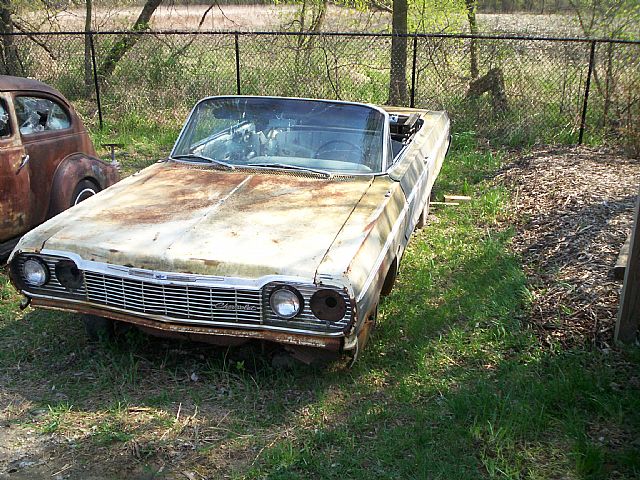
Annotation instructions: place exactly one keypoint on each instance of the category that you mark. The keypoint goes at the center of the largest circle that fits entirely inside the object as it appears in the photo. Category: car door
(46, 128)
(15, 195)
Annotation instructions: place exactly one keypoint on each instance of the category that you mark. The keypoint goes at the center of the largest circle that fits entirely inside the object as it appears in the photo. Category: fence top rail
(332, 34)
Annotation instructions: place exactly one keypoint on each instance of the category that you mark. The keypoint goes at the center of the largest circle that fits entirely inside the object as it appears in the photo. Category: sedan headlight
(286, 302)
(35, 272)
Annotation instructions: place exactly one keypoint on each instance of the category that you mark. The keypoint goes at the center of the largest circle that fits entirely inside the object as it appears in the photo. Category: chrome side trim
(392, 234)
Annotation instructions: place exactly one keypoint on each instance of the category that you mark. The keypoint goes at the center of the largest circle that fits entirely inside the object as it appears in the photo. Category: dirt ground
(573, 211)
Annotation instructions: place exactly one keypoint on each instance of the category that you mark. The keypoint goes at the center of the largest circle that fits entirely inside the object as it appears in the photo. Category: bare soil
(573, 211)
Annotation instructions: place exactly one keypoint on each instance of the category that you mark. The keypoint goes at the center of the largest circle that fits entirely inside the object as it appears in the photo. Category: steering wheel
(334, 146)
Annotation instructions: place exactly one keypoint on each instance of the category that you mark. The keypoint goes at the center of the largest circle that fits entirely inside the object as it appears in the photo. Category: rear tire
(98, 328)
(84, 189)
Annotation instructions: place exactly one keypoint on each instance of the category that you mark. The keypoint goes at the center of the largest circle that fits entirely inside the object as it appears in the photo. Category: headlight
(328, 304)
(286, 302)
(35, 272)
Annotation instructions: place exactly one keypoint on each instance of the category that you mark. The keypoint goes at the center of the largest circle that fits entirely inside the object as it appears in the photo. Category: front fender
(72, 170)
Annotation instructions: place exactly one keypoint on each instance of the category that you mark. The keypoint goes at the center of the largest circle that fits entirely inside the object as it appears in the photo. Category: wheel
(340, 146)
(422, 219)
(84, 189)
(98, 328)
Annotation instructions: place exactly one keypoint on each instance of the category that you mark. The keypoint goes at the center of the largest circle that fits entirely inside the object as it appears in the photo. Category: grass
(452, 385)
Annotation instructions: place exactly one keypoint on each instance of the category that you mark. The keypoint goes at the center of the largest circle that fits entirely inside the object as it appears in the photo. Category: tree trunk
(88, 65)
(398, 75)
(126, 43)
(493, 83)
(473, 29)
(9, 64)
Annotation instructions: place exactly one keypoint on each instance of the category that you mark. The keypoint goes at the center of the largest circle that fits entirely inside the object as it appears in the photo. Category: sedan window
(39, 115)
(5, 127)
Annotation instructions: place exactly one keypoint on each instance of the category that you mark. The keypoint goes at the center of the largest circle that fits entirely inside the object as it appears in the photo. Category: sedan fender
(73, 170)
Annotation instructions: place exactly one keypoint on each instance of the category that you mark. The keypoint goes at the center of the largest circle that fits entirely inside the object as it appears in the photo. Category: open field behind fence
(545, 80)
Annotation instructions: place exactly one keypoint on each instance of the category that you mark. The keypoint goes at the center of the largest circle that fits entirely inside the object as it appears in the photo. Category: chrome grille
(187, 302)
(181, 299)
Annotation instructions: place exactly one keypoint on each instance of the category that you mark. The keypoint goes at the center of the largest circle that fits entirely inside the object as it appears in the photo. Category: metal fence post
(95, 78)
(237, 64)
(413, 72)
(583, 120)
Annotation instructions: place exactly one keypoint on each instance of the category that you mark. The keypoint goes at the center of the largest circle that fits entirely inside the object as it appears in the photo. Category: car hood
(177, 217)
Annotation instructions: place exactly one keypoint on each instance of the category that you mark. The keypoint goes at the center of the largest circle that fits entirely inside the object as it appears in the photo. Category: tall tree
(126, 43)
(9, 64)
(398, 75)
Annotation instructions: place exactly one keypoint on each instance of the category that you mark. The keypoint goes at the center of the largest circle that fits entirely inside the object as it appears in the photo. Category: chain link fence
(525, 89)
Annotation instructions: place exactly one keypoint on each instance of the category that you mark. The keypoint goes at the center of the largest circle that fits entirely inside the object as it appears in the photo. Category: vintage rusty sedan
(278, 219)
(47, 160)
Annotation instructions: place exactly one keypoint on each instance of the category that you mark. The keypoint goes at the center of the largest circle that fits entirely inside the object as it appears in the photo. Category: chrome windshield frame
(386, 127)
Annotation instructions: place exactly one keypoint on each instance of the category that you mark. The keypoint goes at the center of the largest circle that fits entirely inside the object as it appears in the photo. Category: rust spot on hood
(207, 262)
(172, 193)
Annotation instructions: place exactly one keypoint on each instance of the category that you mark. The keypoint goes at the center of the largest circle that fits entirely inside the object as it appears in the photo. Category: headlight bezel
(328, 304)
(295, 294)
(45, 270)
(69, 275)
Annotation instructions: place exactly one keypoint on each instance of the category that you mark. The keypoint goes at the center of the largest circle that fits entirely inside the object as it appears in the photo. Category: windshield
(284, 133)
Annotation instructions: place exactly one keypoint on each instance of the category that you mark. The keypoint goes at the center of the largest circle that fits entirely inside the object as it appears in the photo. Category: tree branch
(35, 40)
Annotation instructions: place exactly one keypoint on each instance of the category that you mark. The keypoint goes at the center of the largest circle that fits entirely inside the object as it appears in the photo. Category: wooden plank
(621, 263)
(629, 310)
(456, 198)
(446, 204)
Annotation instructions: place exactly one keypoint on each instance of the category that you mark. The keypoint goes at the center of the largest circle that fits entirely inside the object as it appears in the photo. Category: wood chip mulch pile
(573, 210)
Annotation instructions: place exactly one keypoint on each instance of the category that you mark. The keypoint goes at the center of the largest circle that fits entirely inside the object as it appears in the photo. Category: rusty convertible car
(47, 161)
(279, 219)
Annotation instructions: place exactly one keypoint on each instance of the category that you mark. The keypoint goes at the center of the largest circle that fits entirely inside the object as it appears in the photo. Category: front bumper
(215, 335)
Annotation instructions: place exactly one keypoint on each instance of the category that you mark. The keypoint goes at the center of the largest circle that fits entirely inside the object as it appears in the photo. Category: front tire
(84, 189)
(98, 328)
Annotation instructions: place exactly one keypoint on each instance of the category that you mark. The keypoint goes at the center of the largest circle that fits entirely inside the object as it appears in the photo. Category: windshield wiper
(220, 163)
(286, 166)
